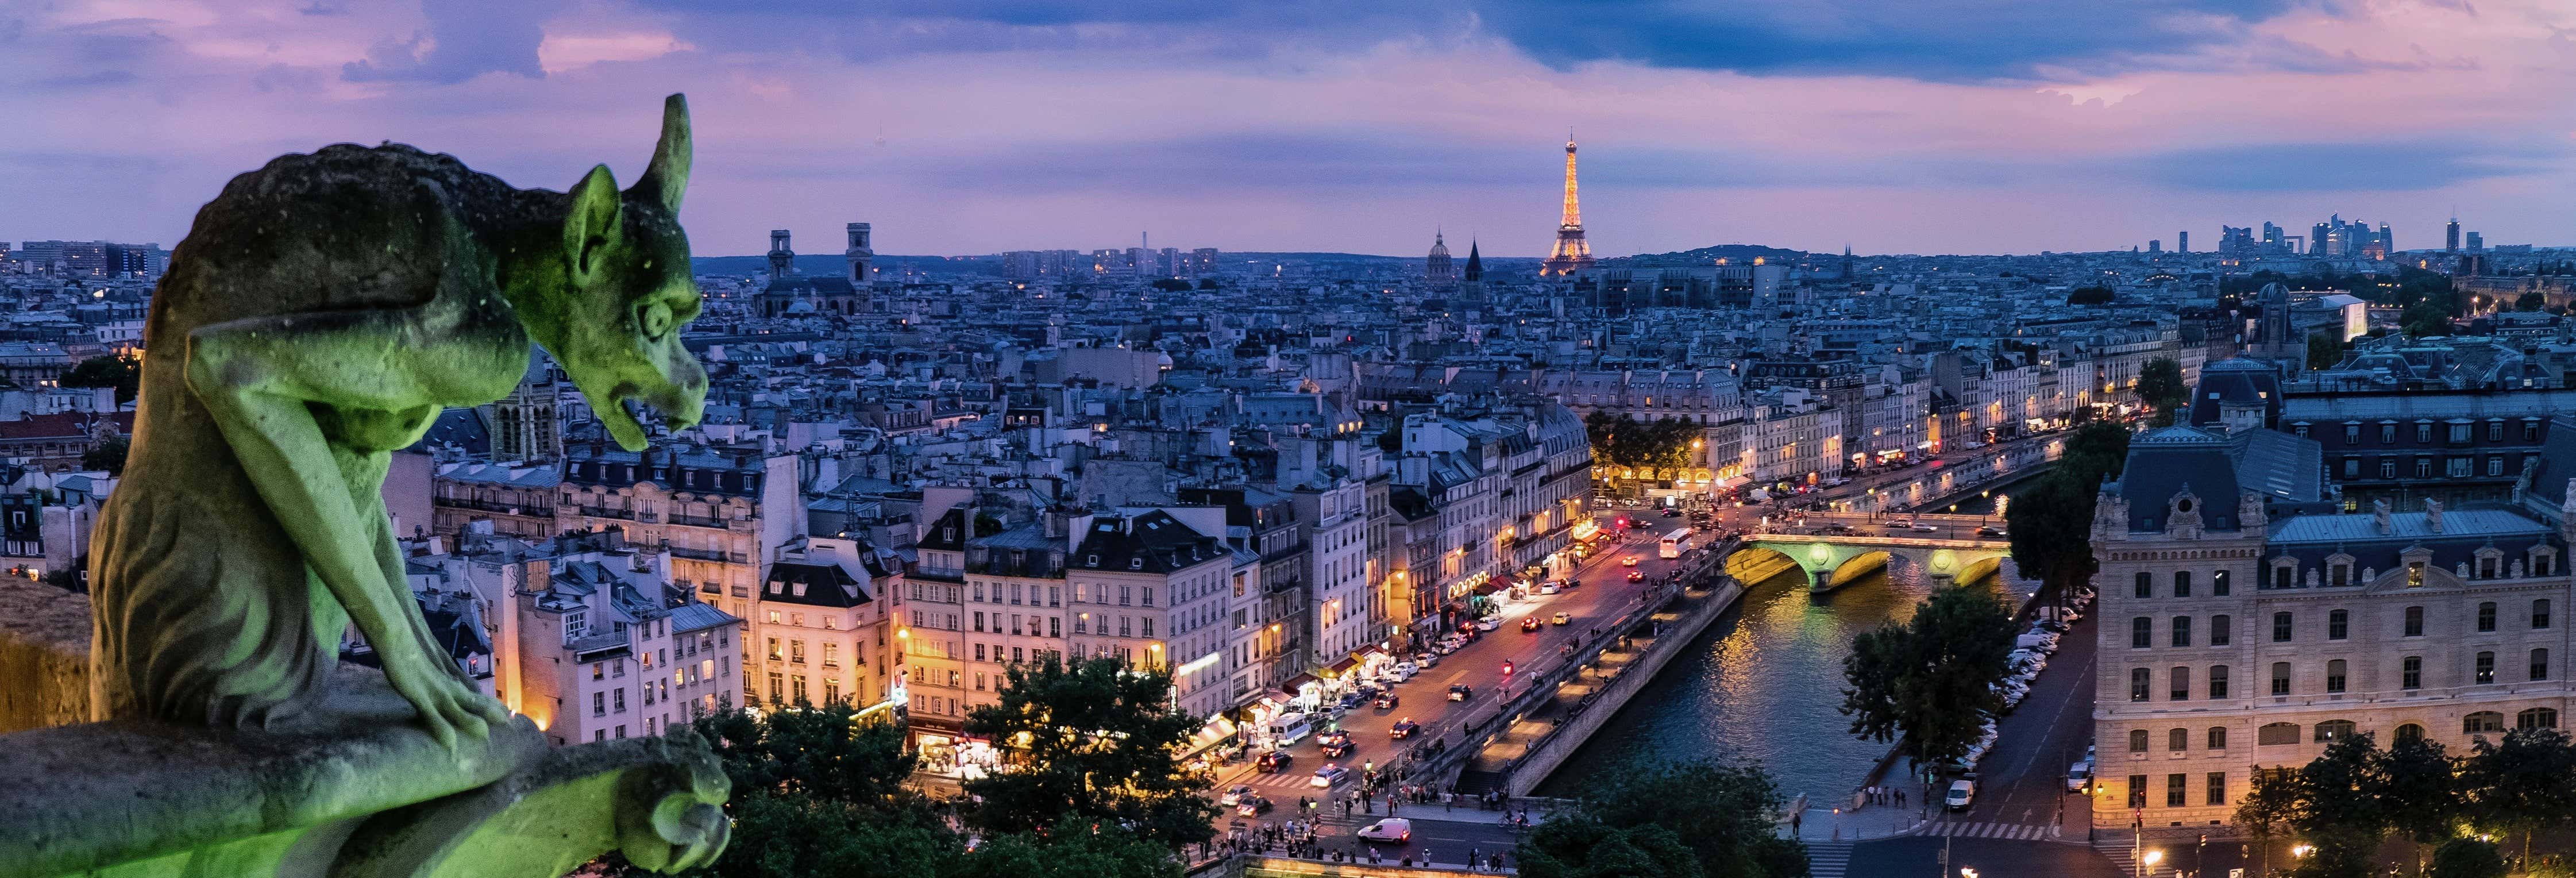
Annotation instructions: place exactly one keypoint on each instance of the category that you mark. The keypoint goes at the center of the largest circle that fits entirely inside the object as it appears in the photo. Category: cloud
(2361, 166)
(465, 39)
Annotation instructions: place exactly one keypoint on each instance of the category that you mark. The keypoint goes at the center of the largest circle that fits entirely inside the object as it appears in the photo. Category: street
(1605, 594)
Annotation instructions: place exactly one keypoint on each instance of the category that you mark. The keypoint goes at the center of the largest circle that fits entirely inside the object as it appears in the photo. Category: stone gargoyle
(319, 315)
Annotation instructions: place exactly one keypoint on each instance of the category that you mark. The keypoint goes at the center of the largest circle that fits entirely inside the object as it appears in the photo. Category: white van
(1291, 729)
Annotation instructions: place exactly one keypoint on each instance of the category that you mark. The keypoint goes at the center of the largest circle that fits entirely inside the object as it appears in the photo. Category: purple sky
(1353, 125)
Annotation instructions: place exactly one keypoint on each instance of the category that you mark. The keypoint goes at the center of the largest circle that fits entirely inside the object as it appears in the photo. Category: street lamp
(2148, 863)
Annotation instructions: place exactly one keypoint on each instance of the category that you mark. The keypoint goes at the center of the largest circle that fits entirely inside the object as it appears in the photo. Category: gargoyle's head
(615, 326)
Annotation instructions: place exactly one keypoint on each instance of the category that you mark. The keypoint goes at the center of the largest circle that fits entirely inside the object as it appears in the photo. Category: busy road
(1528, 635)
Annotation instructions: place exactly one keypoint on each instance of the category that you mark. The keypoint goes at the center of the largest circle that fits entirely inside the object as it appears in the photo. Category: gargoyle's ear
(592, 221)
(668, 177)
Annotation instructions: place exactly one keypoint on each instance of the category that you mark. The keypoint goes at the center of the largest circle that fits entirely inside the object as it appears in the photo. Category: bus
(1674, 543)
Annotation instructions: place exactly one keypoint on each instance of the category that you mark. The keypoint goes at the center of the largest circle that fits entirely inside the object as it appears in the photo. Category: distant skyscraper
(1571, 251)
(1437, 269)
(2477, 242)
(2155, 245)
(2451, 236)
(1847, 262)
(1203, 261)
(2182, 241)
(2318, 245)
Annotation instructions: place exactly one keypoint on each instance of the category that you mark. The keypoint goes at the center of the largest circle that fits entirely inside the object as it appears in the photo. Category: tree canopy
(1089, 740)
(1930, 681)
(2095, 295)
(2325, 349)
(1700, 818)
(118, 372)
(2051, 523)
(2160, 387)
(1620, 440)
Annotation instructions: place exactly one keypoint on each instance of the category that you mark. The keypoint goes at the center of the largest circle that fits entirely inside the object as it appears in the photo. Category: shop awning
(1300, 681)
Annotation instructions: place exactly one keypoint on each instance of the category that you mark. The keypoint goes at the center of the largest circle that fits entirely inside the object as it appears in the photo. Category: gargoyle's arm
(257, 378)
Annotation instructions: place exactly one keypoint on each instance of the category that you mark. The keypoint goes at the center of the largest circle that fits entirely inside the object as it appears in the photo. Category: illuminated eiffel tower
(1571, 251)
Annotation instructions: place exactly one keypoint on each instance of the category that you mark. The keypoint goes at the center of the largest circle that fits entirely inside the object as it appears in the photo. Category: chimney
(2433, 514)
(2379, 516)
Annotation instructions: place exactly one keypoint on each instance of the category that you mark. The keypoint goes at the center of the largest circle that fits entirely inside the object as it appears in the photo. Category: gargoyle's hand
(670, 816)
(453, 713)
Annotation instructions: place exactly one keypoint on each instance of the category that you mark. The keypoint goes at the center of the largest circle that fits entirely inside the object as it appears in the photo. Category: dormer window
(1136, 563)
(1091, 560)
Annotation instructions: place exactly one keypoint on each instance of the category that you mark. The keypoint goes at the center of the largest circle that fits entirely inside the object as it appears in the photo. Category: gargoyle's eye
(654, 319)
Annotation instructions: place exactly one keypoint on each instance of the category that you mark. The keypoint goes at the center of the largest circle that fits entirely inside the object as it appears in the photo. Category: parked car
(1963, 793)
(1563, 619)
(1489, 623)
(1392, 830)
(1405, 671)
(1990, 532)
(1403, 728)
(1531, 624)
(1328, 775)
(2079, 776)
(1548, 587)
(1351, 700)
(1428, 660)
(1925, 528)
(1388, 701)
(1461, 692)
(1234, 795)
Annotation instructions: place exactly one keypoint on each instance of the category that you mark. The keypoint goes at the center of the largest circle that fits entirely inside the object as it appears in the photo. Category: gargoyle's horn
(668, 176)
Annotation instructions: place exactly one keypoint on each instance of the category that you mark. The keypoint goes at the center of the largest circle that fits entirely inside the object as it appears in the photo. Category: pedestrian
(1445, 802)
(1474, 856)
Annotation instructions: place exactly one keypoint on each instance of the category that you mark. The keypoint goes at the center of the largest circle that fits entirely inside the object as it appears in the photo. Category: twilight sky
(972, 126)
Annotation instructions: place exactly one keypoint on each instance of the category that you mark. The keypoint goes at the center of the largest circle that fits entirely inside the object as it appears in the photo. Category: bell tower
(862, 259)
(782, 258)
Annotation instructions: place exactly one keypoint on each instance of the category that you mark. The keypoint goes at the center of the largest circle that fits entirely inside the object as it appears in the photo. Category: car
(1429, 660)
(1636, 576)
(1234, 795)
(1489, 623)
(1630, 561)
(1925, 528)
(1275, 762)
(1898, 525)
(1530, 624)
(1990, 532)
(1839, 527)
(1406, 670)
(1548, 587)
(1328, 775)
(1335, 749)
(1963, 792)
(1351, 700)
(2079, 775)
(1392, 830)
(1670, 512)
(1563, 619)
(1252, 806)
(1403, 729)
(1461, 692)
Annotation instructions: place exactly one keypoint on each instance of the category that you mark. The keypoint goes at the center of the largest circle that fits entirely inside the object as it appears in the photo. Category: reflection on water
(1983, 503)
(1762, 683)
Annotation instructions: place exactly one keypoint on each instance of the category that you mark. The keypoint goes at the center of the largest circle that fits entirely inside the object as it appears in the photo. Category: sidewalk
(1820, 823)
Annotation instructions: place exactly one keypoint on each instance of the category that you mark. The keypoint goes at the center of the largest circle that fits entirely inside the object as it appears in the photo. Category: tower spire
(1571, 251)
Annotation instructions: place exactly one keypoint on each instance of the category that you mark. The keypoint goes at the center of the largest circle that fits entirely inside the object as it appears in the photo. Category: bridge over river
(1835, 550)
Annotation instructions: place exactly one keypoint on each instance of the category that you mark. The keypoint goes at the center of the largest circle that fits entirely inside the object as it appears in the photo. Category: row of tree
(1621, 440)
(1092, 786)
(2345, 803)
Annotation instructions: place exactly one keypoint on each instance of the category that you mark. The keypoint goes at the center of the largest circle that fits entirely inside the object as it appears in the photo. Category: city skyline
(985, 127)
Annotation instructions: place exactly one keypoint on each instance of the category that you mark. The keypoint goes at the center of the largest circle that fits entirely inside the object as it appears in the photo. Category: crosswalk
(2120, 855)
(2006, 831)
(1828, 859)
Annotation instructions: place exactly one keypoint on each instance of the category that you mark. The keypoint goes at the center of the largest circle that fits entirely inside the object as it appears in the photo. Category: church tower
(1437, 269)
(782, 259)
(1475, 264)
(861, 257)
(1571, 251)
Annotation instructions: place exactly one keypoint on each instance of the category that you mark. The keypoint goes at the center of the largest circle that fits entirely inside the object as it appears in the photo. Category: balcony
(699, 521)
(546, 511)
(605, 512)
(706, 555)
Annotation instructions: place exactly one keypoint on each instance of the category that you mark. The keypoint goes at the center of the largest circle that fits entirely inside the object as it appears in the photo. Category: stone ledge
(44, 655)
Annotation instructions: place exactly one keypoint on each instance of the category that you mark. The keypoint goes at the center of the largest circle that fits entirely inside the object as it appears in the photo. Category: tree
(1931, 680)
(2275, 803)
(1071, 849)
(2089, 296)
(2466, 858)
(1719, 813)
(2419, 787)
(2324, 350)
(2526, 783)
(825, 752)
(1171, 284)
(2160, 387)
(1623, 441)
(2052, 522)
(2343, 817)
(2531, 301)
(1090, 740)
(2426, 318)
(108, 455)
(117, 372)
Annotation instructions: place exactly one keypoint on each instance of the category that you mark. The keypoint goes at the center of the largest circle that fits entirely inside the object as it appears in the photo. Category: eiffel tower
(1571, 251)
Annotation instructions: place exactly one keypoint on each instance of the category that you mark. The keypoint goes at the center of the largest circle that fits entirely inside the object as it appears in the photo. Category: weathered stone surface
(44, 655)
